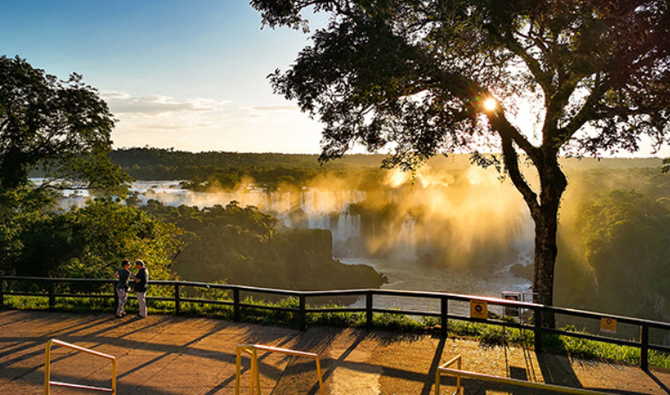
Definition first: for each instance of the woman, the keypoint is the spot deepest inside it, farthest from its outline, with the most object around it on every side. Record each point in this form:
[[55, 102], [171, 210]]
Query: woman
[[141, 280], [122, 287]]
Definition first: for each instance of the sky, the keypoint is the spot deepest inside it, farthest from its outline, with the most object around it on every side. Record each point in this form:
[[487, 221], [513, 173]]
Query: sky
[[189, 75]]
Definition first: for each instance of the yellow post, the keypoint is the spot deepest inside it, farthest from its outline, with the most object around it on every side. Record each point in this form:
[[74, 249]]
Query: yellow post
[[256, 372], [457, 360], [318, 372], [255, 376], [238, 370], [114, 376], [459, 373], [252, 370], [47, 368]]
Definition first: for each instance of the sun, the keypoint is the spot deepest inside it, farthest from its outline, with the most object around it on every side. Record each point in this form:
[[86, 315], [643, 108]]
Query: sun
[[490, 104]]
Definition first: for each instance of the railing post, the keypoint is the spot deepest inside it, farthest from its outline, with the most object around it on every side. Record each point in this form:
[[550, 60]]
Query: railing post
[[2, 293], [115, 296], [236, 304], [644, 346], [444, 316], [537, 313], [177, 299], [52, 295], [368, 310], [302, 317]]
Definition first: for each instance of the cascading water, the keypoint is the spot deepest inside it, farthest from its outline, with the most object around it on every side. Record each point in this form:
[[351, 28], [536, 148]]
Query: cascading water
[[405, 240]]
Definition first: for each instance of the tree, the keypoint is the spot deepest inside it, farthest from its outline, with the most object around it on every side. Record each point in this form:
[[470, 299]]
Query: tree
[[417, 77], [62, 126], [91, 242], [619, 227]]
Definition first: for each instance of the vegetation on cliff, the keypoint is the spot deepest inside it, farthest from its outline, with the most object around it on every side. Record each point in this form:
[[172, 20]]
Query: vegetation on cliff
[[244, 246]]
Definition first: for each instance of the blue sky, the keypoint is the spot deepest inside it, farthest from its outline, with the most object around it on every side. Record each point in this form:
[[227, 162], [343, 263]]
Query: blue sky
[[184, 74]]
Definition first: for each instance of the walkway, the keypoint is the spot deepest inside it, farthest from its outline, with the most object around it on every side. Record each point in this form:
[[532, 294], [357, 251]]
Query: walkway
[[165, 355]]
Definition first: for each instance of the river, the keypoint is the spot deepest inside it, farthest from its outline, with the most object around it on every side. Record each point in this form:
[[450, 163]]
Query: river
[[411, 277]]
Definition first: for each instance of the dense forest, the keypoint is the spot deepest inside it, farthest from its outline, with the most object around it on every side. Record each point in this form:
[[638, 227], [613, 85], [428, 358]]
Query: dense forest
[[230, 168], [206, 170], [243, 246], [233, 244]]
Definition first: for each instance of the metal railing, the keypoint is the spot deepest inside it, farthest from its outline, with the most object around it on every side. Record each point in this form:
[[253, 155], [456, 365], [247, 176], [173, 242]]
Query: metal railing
[[48, 288], [47, 369], [459, 373], [255, 376]]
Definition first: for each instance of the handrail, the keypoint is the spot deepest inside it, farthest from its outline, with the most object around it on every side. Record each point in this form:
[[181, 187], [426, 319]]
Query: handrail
[[368, 294], [459, 373], [47, 369], [255, 376], [456, 359]]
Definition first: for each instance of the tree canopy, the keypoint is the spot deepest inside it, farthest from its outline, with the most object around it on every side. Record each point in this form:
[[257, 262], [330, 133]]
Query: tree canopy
[[62, 126], [412, 77]]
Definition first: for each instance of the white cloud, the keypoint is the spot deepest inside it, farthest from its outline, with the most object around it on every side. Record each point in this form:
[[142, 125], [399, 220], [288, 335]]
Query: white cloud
[[203, 124], [276, 108], [122, 103], [272, 115]]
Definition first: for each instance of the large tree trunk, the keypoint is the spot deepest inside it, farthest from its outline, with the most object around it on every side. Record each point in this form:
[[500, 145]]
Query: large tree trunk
[[544, 257], [545, 216], [543, 208]]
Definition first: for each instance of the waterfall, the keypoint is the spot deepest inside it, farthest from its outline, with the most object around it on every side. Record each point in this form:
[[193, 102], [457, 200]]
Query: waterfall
[[405, 248], [523, 237]]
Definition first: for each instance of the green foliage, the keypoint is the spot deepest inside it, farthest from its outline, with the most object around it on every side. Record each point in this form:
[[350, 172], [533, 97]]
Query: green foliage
[[62, 126], [227, 170], [414, 75], [397, 322], [20, 209], [343, 320], [91, 242], [626, 243], [242, 246]]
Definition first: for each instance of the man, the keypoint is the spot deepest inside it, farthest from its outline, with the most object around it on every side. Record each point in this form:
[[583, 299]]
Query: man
[[141, 280], [122, 287]]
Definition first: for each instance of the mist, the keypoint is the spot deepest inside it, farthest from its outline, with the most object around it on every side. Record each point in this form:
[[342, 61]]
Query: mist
[[447, 214]]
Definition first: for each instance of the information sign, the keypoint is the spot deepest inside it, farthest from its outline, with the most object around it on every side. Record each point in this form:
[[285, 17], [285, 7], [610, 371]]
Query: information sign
[[608, 325], [514, 296], [479, 309]]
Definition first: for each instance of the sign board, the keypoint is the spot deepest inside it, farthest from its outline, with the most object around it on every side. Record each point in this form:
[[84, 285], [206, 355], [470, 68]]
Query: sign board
[[608, 325], [513, 296], [479, 309]]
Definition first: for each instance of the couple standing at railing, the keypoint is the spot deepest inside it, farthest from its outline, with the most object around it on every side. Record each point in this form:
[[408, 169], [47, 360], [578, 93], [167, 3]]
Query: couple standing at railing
[[141, 279]]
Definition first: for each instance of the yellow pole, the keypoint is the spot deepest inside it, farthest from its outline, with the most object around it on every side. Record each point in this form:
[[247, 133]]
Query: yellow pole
[[47, 368], [318, 371], [114, 376], [458, 379], [252, 375], [238, 370], [257, 373]]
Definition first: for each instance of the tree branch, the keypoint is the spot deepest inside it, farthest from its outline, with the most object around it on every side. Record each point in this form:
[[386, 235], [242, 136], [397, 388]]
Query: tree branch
[[511, 161], [585, 114]]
